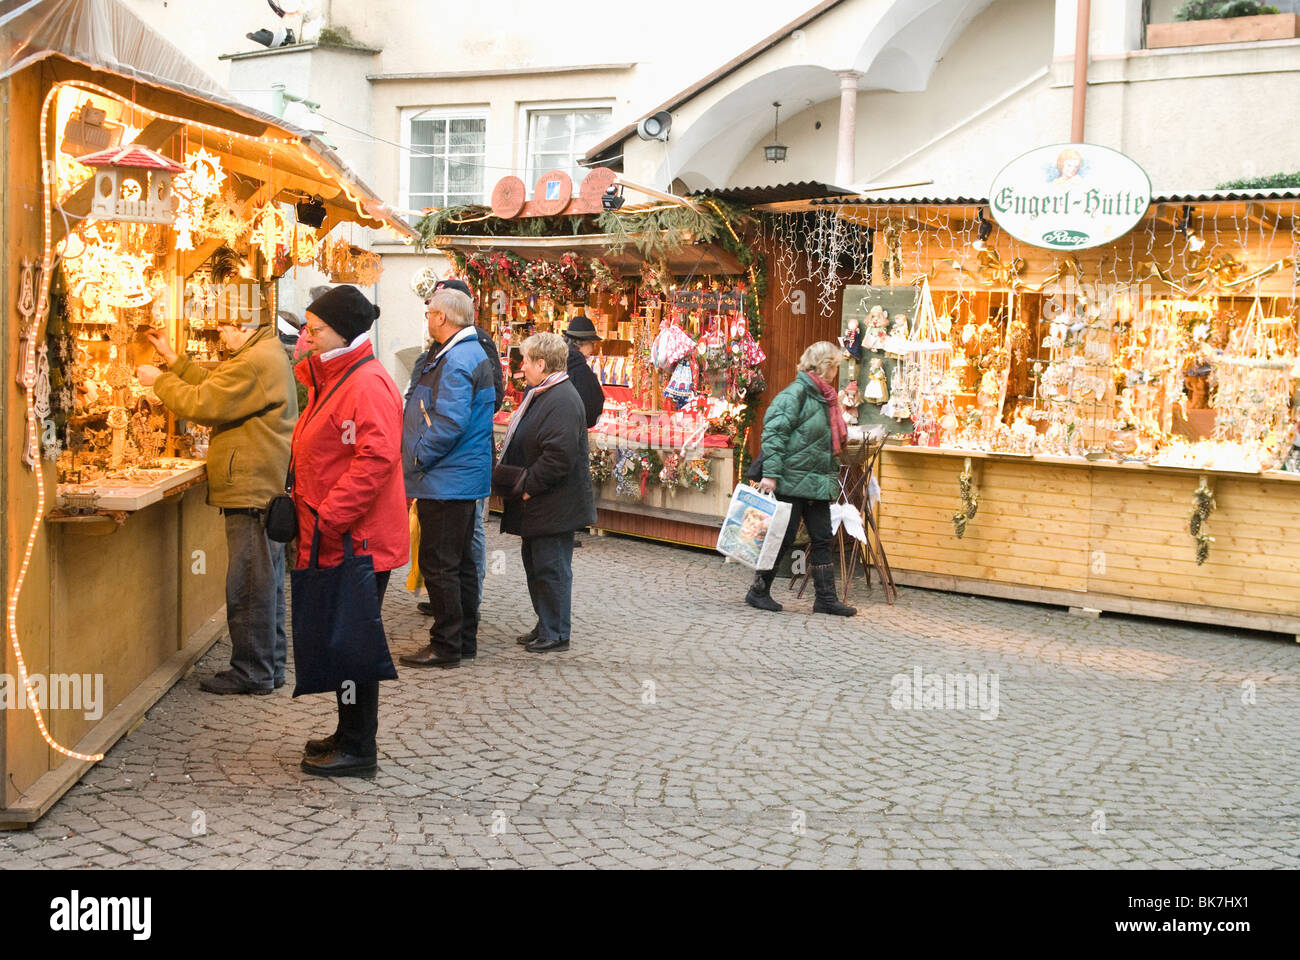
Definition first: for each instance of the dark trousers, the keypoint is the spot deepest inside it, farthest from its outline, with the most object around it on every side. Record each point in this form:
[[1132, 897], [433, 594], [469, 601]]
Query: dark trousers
[[259, 645], [359, 720], [548, 565], [816, 516], [446, 559]]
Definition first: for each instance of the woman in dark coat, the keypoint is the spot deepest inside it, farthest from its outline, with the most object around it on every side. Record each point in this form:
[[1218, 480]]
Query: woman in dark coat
[[547, 439], [803, 433]]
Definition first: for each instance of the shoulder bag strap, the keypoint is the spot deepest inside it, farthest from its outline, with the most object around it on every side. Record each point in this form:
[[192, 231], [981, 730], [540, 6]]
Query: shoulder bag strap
[[288, 480]]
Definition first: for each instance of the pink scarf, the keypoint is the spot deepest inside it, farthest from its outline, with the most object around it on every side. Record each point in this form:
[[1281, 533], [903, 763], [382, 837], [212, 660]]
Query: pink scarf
[[546, 384], [839, 429]]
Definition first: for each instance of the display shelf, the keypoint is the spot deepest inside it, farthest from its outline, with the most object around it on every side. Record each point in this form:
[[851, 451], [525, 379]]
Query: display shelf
[[146, 487], [1105, 464]]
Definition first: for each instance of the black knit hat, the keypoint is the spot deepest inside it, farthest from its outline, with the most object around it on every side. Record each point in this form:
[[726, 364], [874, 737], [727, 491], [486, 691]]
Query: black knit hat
[[346, 310], [581, 328]]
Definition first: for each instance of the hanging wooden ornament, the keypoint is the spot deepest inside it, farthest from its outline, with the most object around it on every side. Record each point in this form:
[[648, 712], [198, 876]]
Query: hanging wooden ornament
[[270, 232], [201, 181]]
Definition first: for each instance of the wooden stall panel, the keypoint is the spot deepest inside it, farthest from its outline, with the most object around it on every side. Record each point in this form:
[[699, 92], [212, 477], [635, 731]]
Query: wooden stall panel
[[1142, 546], [24, 754], [1031, 525], [115, 612], [202, 581]]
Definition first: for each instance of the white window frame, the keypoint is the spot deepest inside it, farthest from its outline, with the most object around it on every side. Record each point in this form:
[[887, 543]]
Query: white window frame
[[440, 112], [523, 161]]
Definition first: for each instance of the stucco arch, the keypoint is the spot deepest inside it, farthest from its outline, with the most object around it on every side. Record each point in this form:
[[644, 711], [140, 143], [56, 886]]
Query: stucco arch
[[893, 44]]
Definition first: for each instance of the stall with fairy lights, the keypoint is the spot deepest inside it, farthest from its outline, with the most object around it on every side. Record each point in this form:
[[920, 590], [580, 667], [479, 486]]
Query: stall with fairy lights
[[1110, 429], [674, 291], [135, 197]]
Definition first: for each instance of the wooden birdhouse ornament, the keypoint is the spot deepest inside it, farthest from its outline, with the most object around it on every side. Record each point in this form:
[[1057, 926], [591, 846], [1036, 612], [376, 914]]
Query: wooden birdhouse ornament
[[132, 184]]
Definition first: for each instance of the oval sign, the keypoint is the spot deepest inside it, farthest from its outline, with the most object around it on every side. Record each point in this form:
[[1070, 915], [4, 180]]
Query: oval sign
[[1070, 196]]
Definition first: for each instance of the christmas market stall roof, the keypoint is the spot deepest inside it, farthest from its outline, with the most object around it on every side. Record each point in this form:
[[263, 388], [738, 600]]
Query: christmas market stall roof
[[1271, 206], [104, 50], [780, 193]]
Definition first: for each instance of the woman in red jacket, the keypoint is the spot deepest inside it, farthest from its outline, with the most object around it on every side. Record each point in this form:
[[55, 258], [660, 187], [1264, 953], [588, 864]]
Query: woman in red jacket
[[347, 464]]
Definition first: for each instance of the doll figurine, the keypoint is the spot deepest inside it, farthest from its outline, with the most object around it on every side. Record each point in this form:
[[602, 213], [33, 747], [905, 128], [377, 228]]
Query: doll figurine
[[877, 387], [849, 402], [877, 328], [853, 341]]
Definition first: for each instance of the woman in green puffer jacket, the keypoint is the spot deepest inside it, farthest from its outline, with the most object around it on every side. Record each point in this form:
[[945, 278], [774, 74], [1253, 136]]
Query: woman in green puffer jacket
[[803, 432]]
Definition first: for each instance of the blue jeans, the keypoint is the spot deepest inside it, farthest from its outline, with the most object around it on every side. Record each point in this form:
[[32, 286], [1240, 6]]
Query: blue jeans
[[259, 646], [479, 546], [548, 565]]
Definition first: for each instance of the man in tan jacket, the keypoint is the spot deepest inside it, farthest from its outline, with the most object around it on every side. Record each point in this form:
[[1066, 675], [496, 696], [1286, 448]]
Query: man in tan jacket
[[251, 403]]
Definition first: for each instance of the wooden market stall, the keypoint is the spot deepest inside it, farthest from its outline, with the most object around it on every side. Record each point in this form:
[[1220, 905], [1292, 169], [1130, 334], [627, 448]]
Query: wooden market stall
[[113, 564], [676, 358], [1110, 429]]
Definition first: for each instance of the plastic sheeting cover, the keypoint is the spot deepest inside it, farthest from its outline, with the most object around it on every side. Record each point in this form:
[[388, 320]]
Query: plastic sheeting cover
[[101, 33]]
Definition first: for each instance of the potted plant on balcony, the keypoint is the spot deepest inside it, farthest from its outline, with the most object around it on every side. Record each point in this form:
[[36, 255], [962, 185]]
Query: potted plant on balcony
[[1200, 22]]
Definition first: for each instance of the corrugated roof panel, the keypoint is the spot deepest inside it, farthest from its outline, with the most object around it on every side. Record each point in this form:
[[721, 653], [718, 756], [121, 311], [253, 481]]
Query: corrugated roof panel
[[777, 193]]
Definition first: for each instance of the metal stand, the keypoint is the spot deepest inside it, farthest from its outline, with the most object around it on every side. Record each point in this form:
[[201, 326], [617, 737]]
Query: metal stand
[[857, 468]]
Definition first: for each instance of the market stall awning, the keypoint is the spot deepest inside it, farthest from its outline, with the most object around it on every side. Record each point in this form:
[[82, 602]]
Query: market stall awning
[[781, 193], [696, 258], [101, 43]]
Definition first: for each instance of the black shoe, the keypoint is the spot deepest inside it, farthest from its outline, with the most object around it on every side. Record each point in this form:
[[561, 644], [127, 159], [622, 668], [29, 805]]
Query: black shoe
[[526, 638], [576, 543], [279, 683], [227, 682], [428, 657], [547, 646], [318, 748], [823, 577], [339, 764], [425, 607], [760, 592]]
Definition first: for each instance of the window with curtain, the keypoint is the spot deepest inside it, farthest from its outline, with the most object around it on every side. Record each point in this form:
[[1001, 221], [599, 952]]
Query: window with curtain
[[557, 140], [446, 159]]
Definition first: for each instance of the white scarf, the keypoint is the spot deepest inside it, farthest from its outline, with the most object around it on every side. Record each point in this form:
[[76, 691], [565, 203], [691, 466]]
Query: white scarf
[[546, 384]]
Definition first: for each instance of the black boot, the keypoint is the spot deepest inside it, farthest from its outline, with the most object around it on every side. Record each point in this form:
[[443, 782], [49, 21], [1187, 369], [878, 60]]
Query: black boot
[[760, 593], [823, 576]]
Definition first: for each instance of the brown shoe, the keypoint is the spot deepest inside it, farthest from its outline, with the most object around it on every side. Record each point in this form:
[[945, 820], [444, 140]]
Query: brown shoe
[[428, 657]]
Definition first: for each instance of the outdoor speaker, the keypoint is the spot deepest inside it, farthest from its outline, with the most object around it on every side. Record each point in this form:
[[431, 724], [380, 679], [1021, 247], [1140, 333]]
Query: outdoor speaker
[[655, 127]]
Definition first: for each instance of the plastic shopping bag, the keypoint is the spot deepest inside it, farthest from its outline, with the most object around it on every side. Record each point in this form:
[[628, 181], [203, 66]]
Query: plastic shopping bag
[[753, 528]]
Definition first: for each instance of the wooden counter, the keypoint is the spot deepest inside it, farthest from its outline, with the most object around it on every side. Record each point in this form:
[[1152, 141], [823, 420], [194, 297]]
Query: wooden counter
[[1097, 536]]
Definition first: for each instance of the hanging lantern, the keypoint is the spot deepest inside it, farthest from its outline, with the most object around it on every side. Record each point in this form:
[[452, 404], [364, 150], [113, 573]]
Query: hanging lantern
[[132, 184], [775, 151]]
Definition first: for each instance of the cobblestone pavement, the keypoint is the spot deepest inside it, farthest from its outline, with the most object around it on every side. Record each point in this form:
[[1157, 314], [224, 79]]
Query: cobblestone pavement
[[685, 729]]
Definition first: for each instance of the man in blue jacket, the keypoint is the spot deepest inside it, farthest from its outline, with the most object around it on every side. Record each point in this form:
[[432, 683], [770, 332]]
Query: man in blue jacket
[[447, 463]]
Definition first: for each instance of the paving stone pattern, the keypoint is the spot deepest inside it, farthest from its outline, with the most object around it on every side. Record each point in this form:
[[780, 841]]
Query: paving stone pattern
[[685, 729]]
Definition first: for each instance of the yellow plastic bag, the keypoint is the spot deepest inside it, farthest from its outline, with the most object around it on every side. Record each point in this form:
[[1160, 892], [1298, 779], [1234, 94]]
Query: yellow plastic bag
[[413, 579]]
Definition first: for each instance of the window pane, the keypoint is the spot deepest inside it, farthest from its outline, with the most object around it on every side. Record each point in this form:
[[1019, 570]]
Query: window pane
[[466, 136], [427, 174], [464, 177], [590, 127], [429, 133], [552, 131]]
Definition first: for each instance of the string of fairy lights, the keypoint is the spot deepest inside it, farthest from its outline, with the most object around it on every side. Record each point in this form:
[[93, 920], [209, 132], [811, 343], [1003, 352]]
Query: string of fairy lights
[[48, 203]]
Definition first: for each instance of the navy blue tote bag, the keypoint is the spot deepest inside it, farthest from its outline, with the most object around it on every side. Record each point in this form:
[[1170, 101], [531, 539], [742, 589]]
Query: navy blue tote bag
[[337, 631]]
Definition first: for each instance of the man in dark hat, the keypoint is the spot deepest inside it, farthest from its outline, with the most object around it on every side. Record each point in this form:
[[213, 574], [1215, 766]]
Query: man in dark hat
[[581, 336]]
